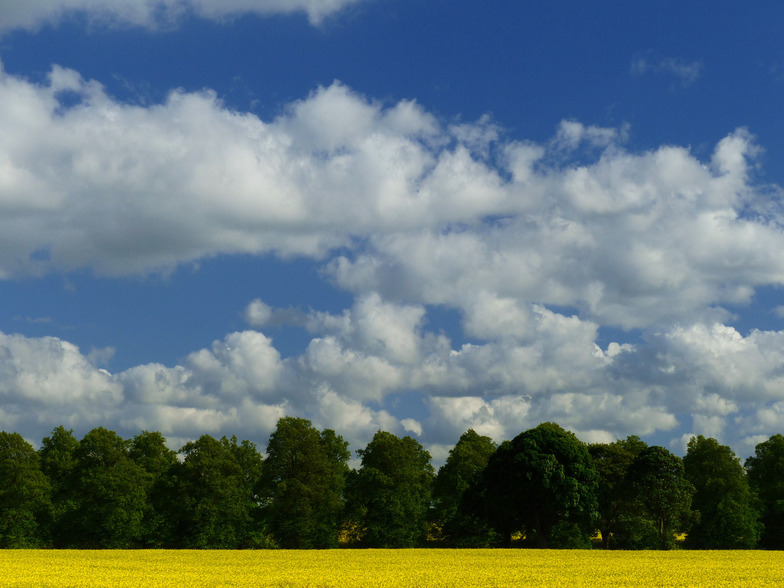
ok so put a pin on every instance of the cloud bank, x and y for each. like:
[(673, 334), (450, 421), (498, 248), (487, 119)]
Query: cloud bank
[(537, 246)]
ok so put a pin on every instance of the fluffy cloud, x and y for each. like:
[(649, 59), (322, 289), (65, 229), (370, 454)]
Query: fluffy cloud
[(537, 247), (627, 239), (633, 240), (32, 14), (709, 379)]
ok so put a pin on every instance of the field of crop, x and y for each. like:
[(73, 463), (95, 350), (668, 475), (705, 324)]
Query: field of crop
[(399, 568)]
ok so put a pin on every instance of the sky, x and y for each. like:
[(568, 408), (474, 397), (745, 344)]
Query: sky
[(420, 216)]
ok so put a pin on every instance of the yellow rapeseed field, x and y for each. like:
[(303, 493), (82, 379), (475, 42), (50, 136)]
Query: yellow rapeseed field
[(418, 568)]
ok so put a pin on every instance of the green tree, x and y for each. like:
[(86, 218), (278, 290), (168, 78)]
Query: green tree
[(24, 493), (392, 491), (110, 495), (617, 522), (766, 476), (466, 461), (728, 516), (57, 461), (302, 484), (542, 482), (148, 450), (216, 503), (662, 494)]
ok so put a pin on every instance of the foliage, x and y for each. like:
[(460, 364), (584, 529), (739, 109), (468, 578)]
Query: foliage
[(216, 504), (466, 461), (103, 491), (57, 462), (392, 491), (302, 484), (618, 522), (662, 495), (766, 477), (109, 493), (542, 478), (728, 515), (148, 450), (24, 492)]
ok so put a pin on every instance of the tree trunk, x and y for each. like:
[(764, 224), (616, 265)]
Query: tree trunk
[(605, 538), (541, 538)]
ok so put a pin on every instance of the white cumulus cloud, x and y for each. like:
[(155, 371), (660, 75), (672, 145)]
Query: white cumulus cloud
[(535, 249)]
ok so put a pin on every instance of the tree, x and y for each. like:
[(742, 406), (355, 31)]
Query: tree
[(24, 493), (111, 493), (302, 484), (216, 504), (766, 477), (57, 461), (466, 461), (148, 450), (728, 516), (392, 491), (617, 521), (542, 482), (662, 493)]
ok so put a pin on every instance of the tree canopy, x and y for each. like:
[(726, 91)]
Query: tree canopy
[(24, 493), (617, 520), (728, 517), (544, 487), (541, 481), (302, 484), (463, 468), (662, 494), (392, 492), (766, 477)]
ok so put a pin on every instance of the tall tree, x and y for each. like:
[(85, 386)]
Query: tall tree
[(392, 491), (24, 493), (111, 493), (148, 450), (662, 493), (543, 482), (466, 461), (728, 515), (618, 522), (57, 462), (216, 504), (302, 484), (766, 477)]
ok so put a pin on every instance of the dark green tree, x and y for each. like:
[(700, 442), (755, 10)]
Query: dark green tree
[(110, 493), (662, 494), (216, 502), (542, 482), (392, 492), (302, 484), (57, 461), (618, 521), (24, 493), (458, 525), (766, 477), (728, 516), (149, 451)]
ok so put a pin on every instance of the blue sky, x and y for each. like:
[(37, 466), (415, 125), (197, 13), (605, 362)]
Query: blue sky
[(419, 216)]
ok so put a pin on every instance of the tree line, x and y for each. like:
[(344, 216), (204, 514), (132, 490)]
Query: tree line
[(544, 488)]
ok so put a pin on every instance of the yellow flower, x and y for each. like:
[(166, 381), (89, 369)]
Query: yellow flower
[(417, 568)]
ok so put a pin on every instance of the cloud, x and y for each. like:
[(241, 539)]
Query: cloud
[(537, 247), (416, 209), (707, 378), (687, 72), (154, 14)]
